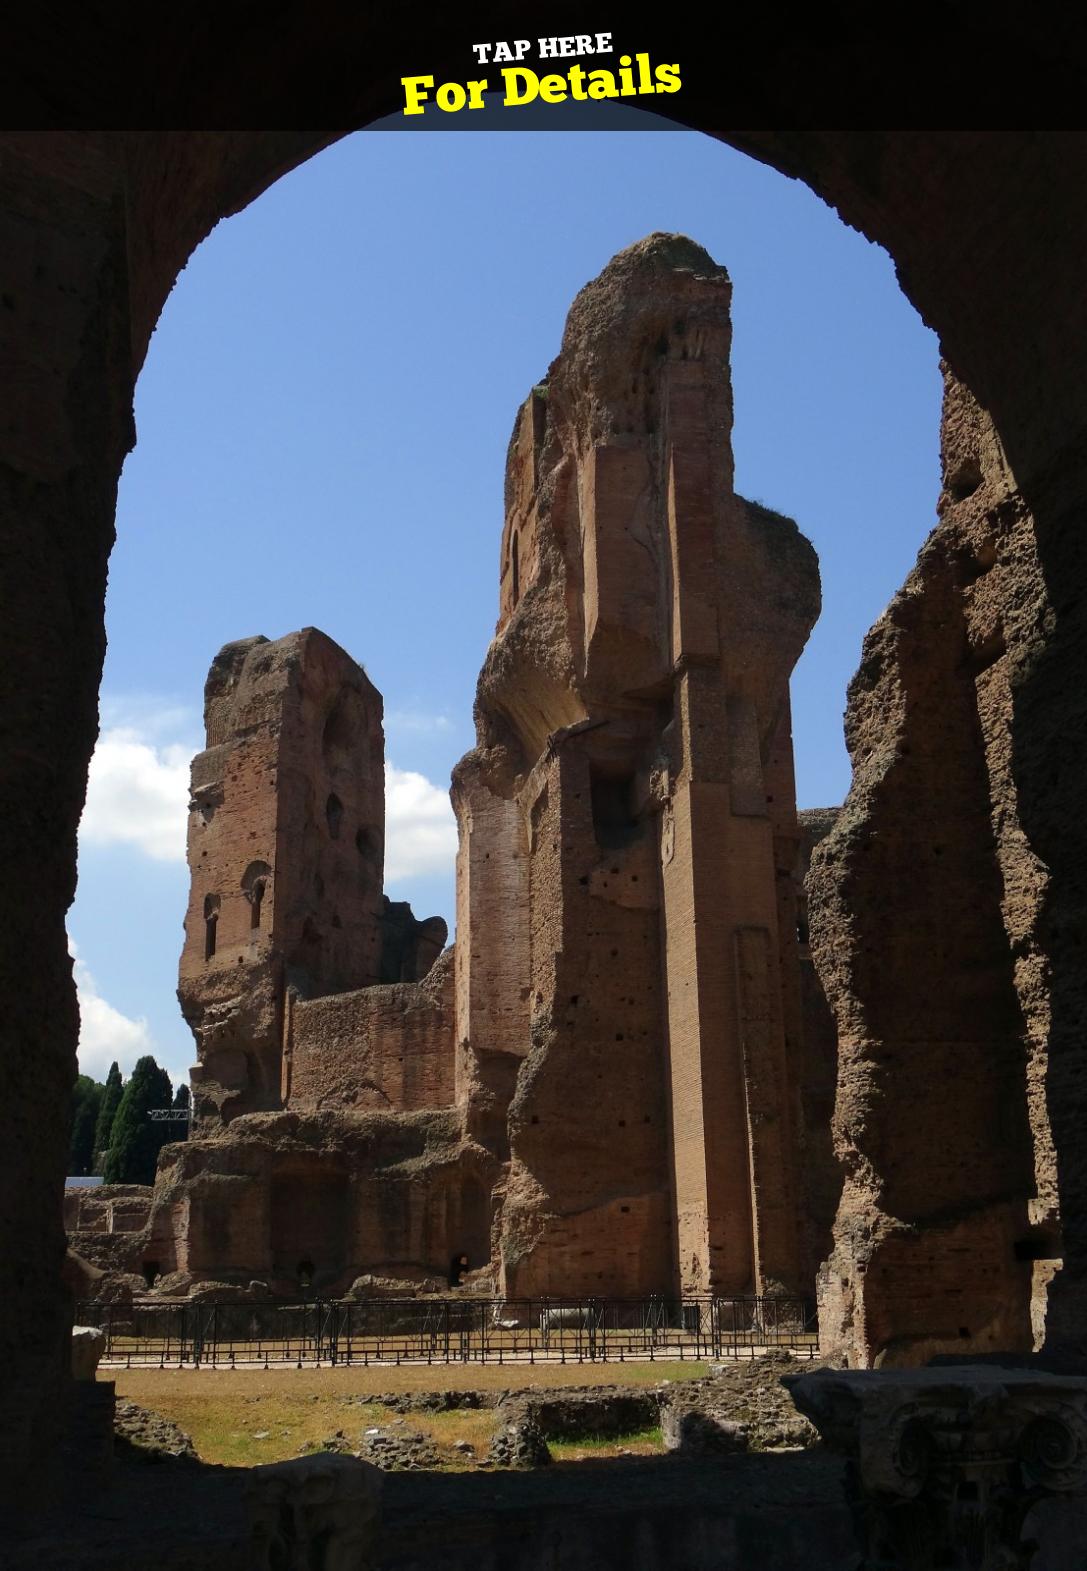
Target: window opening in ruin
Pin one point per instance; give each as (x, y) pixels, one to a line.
(515, 567)
(211, 922)
(254, 888)
(615, 824)
(334, 815)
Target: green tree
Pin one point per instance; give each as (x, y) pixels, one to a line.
(107, 1112)
(87, 1097)
(137, 1138)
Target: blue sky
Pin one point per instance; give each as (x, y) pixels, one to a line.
(322, 426)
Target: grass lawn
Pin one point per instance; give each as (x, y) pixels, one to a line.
(225, 1411)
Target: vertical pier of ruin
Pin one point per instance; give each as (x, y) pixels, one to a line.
(629, 979)
(286, 849)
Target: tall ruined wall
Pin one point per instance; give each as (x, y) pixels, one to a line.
(817, 1072)
(347, 1194)
(925, 910)
(286, 853)
(380, 1048)
(627, 820)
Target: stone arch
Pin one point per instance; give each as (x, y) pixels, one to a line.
(255, 881)
(127, 213)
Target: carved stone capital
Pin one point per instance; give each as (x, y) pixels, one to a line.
(319, 1513)
(946, 1463)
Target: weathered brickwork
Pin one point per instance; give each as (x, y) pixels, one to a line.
(612, 1055)
(633, 744)
(379, 1048)
(286, 851)
(948, 1222)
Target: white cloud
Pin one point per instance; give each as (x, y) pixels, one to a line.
(148, 714)
(138, 794)
(417, 721)
(420, 829)
(105, 1033)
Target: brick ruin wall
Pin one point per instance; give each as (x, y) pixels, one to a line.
(626, 818)
(634, 764)
(378, 1048)
(579, 1093)
(948, 1232)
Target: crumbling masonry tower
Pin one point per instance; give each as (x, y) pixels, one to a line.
(603, 1088)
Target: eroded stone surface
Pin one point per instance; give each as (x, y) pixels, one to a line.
(145, 1436)
(927, 900)
(947, 1464)
(581, 1097)
(627, 818)
(314, 1514)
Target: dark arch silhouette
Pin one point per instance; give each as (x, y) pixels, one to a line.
(126, 210)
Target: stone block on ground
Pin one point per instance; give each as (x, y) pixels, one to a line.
(88, 1345)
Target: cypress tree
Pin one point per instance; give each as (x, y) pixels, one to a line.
(137, 1139)
(107, 1112)
(87, 1097)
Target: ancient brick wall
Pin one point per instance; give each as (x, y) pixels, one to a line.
(632, 714)
(286, 854)
(377, 1048)
(350, 1194)
(817, 1075)
(97, 230)
(107, 1208)
(941, 1121)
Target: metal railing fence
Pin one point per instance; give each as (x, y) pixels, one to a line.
(355, 1332)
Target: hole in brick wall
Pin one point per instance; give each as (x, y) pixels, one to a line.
(964, 480)
(624, 1209)
(211, 922)
(535, 1118)
(1036, 1246)
(344, 728)
(254, 887)
(614, 822)
(964, 1331)
(334, 815)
